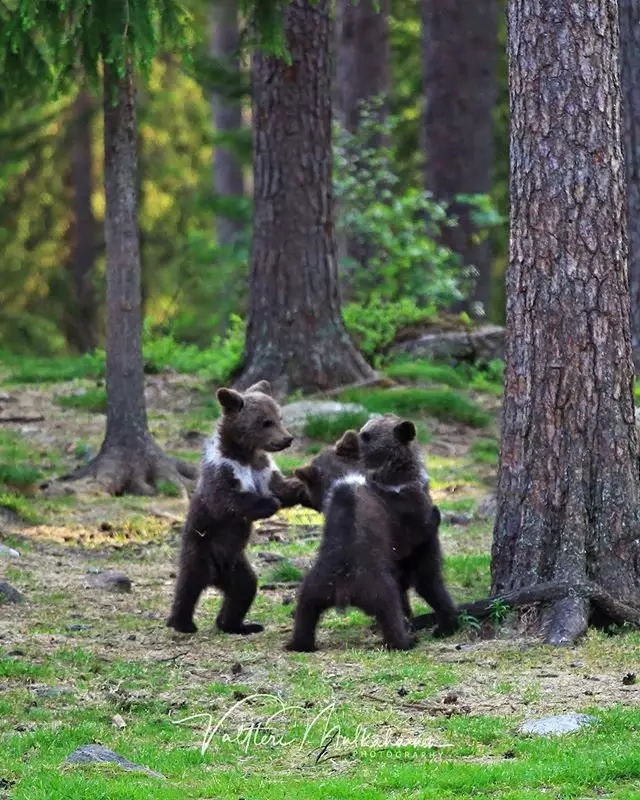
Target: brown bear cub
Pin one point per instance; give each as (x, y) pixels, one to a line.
(239, 483)
(355, 563)
(394, 469)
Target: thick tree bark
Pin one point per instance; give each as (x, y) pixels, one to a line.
(568, 476)
(295, 336)
(129, 459)
(630, 73)
(227, 115)
(362, 74)
(81, 322)
(460, 56)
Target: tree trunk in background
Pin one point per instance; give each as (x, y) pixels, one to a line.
(362, 73)
(568, 476)
(460, 58)
(129, 459)
(227, 116)
(630, 72)
(295, 336)
(81, 324)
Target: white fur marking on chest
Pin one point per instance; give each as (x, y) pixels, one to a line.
(249, 478)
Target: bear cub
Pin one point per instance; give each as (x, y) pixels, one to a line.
(239, 483)
(393, 466)
(355, 563)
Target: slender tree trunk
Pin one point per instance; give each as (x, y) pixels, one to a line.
(295, 336)
(362, 75)
(227, 116)
(81, 322)
(630, 71)
(568, 477)
(129, 459)
(460, 56)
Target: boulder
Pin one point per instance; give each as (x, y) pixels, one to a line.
(480, 344)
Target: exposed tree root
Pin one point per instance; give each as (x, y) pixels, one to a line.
(120, 469)
(570, 613)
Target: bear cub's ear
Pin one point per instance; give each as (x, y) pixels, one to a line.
(308, 474)
(261, 386)
(348, 446)
(405, 431)
(230, 400)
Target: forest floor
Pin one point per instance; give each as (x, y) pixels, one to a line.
(82, 665)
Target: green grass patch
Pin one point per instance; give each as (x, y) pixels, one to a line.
(422, 371)
(330, 429)
(20, 505)
(443, 404)
(485, 450)
(284, 572)
(287, 462)
(55, 370)
(20, 465)
(93, 401)
(469, 575)
(168, 489)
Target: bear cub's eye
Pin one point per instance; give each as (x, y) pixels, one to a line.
(267, 423)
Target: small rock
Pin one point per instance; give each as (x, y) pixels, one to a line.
(51, 691)
(111, 582)
(93, 570)
(6, 398)
(106, 526)
(402, 692)
(78, 626)
(17, 653)
(557, 726)
(295, 415)
(450, 698)
(484, 343)
(577, 664)
(271, 558)
(118, 721)
(8, 594)
(97, 754)
(236, 668)
(8, 551)
(131, 637)
(287, 600)
(629, 679)
(451, 518)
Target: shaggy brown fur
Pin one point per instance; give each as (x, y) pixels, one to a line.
(355, 564)
(393, 466)
(238, 483)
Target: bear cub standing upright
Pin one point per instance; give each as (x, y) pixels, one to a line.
(394, 468)
(355, 564)
(239, 483)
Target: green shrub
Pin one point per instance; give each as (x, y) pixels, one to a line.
(20, 505)
(444, 404)
(93, 401)
(423, 371)
(284, 572)
(330, 429)
(17, 462)
(54, 370)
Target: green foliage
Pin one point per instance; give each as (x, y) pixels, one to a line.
(53, 370)
(443, 404)
(284, 572)
(93, 401)
(375, 326)
(330, 429)
(423, 371)
(19, 504)
(18, 470)
(168, 489)
(469, 622)
(485, 450)
(499, 611)
(399, 227)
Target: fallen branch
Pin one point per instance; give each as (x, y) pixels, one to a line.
(21, 419)
(613, 609)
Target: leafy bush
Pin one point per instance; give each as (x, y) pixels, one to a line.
(329, 429)
(284, 572)
(398, 227)
(443, 404)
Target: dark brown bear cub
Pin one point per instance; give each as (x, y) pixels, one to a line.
(239, 483)
(393, 466)
(355, 564)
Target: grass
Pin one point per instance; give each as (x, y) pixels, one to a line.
(54, 370)
(284, 572)
(19, 468)
(443, 404)
(93, 400)
(485, 450)
(330, 429)
(487, 378)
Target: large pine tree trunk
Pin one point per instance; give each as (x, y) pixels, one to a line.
(630, 71)
(362, 74)
(460, 55)
(129, 459)
(295, 336)
(81, 322)
(227, 115)
(568, 476)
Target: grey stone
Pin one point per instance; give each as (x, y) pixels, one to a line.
(51, 691)
(481, 344)
(110, 581)
(294, 415)
(8, 594)
(78, 626)
(557, 726)
(97, 754)
(8, 551)
(270, 558)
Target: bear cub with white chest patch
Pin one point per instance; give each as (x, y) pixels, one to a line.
(355, 564)
(239, 483)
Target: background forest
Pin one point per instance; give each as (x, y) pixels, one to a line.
(195, 186)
